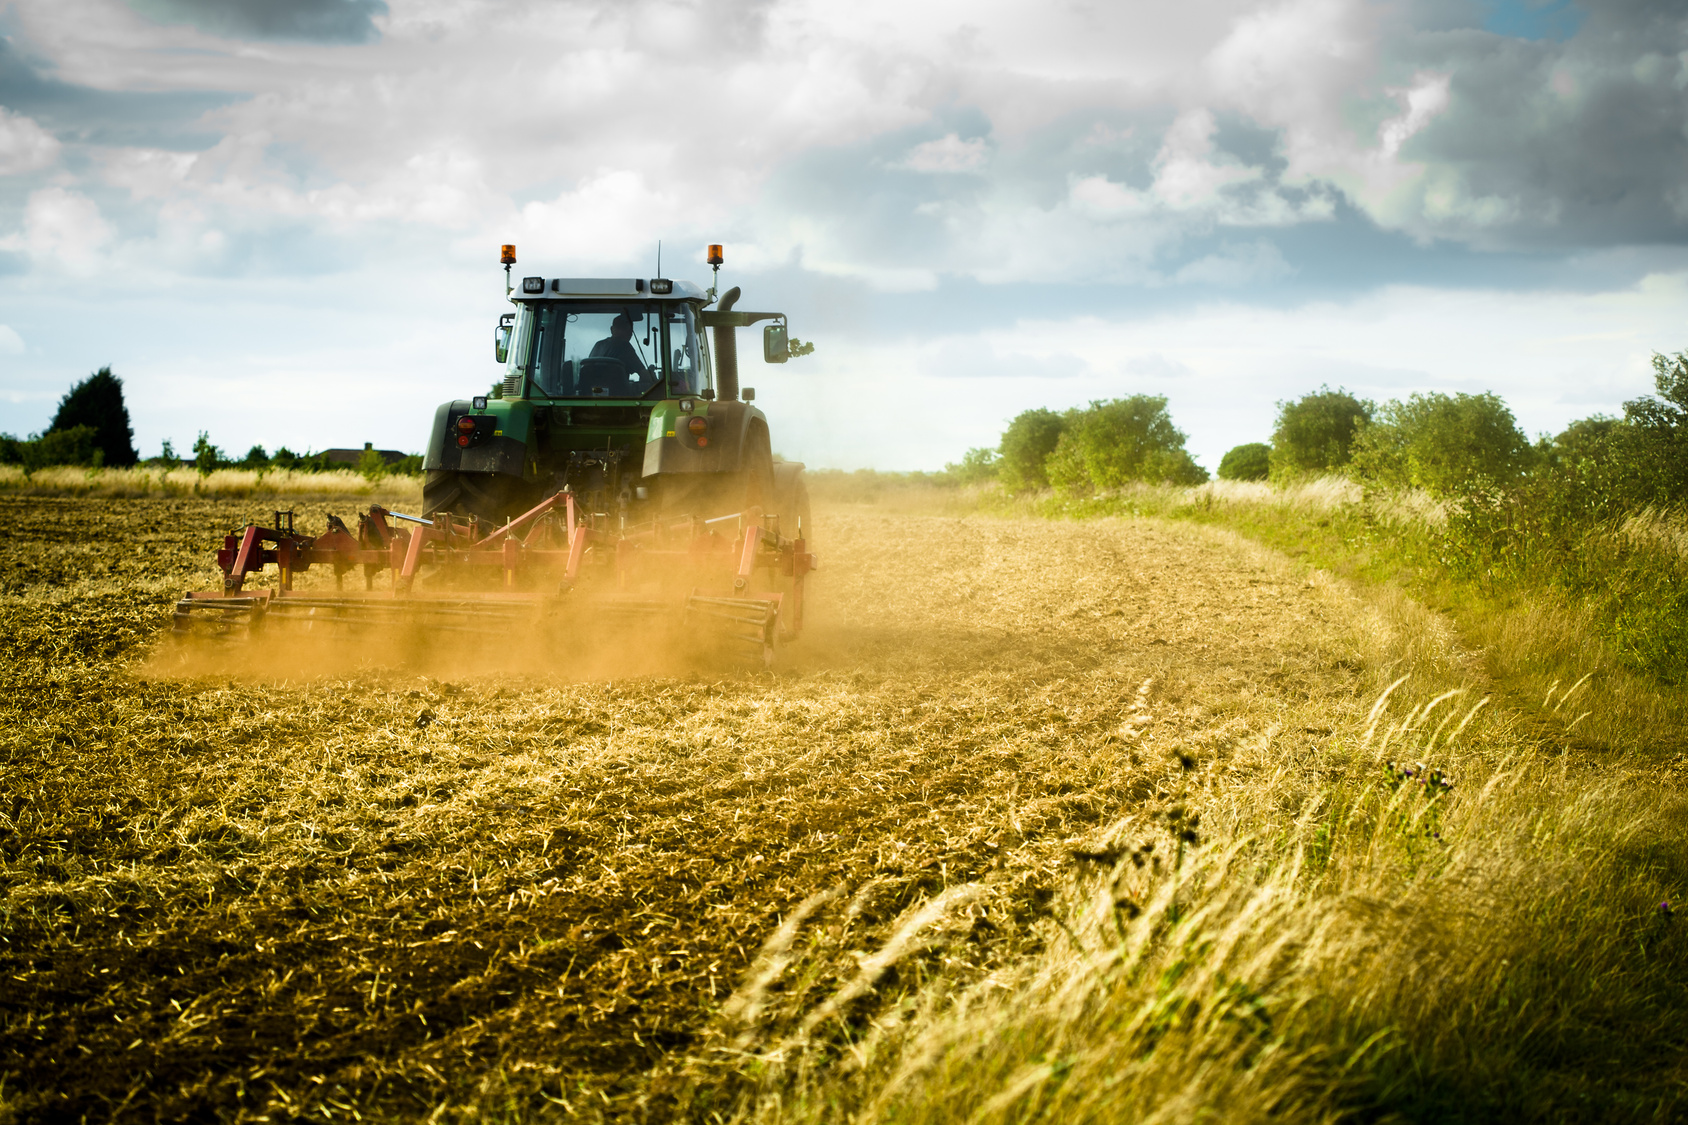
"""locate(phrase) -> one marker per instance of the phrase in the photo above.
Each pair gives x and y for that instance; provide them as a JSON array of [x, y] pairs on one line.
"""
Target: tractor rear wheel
[[489, 497], [791, 500], [708, 495]]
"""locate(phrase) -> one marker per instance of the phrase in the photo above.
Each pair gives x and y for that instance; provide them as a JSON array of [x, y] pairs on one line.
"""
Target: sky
[[278, 221]]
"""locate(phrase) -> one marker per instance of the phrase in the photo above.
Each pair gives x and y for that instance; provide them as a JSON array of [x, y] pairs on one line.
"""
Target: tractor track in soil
[[382, 889]]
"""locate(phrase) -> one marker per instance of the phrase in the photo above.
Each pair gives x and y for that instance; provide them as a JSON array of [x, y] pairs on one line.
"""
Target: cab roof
[[603, 288]]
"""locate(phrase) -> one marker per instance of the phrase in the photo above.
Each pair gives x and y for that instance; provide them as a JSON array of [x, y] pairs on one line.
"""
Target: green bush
[[1315, 433], [1024, 452], [1446, 445], [1247, 462], [1117, 441], [74, 446]]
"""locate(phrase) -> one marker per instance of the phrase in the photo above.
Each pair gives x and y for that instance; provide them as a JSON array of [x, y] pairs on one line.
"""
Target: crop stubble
[[389, 890]]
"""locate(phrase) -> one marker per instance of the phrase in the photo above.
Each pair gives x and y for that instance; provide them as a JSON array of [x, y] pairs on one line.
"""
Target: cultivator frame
[[556, 562]]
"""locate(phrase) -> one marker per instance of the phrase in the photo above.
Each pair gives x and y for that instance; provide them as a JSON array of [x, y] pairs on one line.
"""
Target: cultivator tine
[[467, 616], [219, 618], [749, 626]]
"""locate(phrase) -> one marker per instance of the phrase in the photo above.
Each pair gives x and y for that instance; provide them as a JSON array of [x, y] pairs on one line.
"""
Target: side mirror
[[775, 347], [501, 337]]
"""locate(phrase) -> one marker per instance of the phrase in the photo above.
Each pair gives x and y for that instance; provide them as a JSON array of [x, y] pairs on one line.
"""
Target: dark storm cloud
[[1576, 143], [148, 119], [314, 21]]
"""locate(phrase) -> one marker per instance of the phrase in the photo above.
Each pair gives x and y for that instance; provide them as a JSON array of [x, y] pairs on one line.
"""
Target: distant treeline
[[1449, 445], [1599, 511], [91, 427]]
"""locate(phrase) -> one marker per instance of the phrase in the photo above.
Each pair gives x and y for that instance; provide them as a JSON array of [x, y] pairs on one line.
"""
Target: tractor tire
[[791, 500], [804, 527], [709, 495], [489, 497], [754, 481]]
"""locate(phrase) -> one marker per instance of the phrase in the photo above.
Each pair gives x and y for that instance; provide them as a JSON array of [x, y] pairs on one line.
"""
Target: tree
[[167, 454], [255, 458], [1026, 445], [1247, 462], [1655, 447], [1443, 444], [1117, 441], [1315, 433], [371, 465], [976, 466], [97, 402], [1585, 440], [206, 456]]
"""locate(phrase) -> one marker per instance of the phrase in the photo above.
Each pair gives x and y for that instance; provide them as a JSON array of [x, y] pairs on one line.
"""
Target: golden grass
[[896, 880], [1663, 531], [1338, 938], [146, 481]]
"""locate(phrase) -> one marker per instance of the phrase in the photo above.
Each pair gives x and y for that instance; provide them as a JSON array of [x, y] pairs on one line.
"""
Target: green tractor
[[614, 393], [616, 471]]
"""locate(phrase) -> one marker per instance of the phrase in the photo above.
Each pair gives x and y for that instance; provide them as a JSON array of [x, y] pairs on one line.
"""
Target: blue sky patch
[[1556, 20]]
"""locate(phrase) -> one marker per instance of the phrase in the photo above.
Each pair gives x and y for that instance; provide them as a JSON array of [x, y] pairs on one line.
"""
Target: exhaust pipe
[[726, 351]]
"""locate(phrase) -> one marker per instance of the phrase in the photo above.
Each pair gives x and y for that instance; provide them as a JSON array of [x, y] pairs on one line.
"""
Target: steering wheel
[[603, 368]]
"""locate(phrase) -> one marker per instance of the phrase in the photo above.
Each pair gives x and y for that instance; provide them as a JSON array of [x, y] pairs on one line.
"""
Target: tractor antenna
[[659, 257]]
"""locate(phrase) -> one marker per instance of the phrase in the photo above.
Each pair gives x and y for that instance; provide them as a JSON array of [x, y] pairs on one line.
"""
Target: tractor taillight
[[463, 441], [697, 425], [465, 425]]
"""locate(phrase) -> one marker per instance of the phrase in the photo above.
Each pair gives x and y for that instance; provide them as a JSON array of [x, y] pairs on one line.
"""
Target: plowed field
[[404, 887]]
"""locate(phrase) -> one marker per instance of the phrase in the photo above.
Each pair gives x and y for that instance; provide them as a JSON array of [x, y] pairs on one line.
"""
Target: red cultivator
[[742, 582]]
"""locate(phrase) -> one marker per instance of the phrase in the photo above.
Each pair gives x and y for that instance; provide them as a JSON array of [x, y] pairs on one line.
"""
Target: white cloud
[[24, 145], [947, 154], [1186, 174], [1236, 267], [1423, 100], [63, 231], [10, 342]]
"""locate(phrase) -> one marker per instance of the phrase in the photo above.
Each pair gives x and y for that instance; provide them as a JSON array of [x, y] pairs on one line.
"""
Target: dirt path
[[388, 891]]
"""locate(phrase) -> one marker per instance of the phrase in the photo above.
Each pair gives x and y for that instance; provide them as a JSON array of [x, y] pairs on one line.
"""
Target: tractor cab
[[596, 339]]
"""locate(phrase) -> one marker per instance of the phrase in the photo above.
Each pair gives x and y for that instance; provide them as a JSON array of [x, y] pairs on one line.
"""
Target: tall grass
[[148, 481], [1417, 915]]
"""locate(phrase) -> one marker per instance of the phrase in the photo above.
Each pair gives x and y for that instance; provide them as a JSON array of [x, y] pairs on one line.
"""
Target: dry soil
[[400, 884]]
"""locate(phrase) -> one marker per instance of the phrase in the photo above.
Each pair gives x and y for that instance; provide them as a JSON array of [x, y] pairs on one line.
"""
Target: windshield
[[605, 349]]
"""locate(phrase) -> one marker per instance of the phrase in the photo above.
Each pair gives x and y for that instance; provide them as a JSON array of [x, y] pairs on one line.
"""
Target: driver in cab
[[618, 345]]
